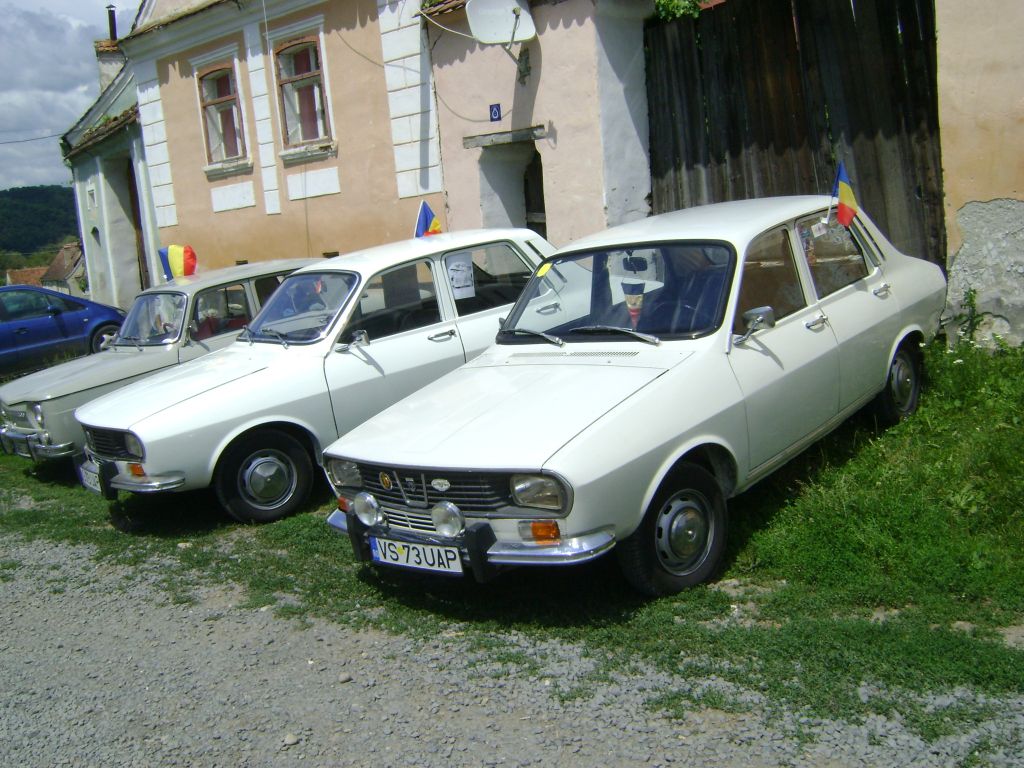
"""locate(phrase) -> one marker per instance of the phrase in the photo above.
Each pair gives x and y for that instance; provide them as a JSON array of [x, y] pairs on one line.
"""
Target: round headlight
[[367, 509], [343, 474], [37, 411], [133, 445], [538, 491], [448, 519]]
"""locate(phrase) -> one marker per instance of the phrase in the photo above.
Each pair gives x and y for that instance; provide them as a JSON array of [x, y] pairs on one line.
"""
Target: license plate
[[90, 478], [425, 557]]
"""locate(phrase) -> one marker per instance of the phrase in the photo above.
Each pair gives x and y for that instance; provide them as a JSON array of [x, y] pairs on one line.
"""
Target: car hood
[[130, 405], [498, 413], [89, 372]]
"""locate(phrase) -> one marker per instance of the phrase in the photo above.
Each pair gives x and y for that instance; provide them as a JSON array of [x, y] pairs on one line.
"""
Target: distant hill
[[32, 218]]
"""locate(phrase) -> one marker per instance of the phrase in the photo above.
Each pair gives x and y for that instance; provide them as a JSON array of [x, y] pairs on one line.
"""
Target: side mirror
[[193, 330], [359, 339], [755, 319]]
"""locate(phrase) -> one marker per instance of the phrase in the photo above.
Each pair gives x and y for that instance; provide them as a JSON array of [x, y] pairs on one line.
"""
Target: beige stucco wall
[[560, 93], [981, 119], [367, 211]]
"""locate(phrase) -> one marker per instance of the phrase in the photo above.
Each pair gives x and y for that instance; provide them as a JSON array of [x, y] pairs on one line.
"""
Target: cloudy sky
[[48, 78]]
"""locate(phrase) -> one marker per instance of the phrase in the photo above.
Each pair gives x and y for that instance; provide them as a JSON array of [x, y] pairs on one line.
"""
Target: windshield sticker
[[543, 269], [460, 273]]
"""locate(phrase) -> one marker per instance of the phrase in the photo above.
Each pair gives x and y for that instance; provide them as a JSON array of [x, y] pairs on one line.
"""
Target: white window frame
[[223, 58]]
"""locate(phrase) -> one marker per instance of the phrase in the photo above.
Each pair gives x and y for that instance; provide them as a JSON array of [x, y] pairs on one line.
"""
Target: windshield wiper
[[646, 337], [539, 334], [276, 334], [133, 339]]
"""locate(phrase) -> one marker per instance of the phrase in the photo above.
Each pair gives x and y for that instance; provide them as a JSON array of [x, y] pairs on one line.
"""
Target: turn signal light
[[343, 504], [541, 531], [137, 470]]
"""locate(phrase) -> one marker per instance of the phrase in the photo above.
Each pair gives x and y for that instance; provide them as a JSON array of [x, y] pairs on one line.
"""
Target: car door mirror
[[756, 319], [193, 330], [359, 339]]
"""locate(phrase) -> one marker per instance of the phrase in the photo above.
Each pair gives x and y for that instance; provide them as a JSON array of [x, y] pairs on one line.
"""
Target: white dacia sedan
[[645, 375], [339, 341]]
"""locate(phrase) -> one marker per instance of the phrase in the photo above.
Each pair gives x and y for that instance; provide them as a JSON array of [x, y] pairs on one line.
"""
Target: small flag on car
[[843, 191], [426, 222], [178, 261]]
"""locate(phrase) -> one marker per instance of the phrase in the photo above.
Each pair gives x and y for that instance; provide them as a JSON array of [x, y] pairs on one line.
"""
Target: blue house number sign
[[495, 113]]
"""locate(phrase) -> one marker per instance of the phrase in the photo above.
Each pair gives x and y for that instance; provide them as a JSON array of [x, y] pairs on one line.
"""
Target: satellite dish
[[500, 22]]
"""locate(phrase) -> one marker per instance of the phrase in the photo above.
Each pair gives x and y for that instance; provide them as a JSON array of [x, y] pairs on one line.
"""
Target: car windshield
[[303, 308], [645, 292], [155, 318]]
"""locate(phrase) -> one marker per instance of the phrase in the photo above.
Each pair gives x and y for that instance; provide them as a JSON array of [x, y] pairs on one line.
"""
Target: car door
[[43, 328], [409, 343], [848, 280], [789, 374], [482, 283]]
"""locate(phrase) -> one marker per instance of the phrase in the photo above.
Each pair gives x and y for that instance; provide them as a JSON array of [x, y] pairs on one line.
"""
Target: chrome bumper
[[33, 445], [108, 480], [569, 551]]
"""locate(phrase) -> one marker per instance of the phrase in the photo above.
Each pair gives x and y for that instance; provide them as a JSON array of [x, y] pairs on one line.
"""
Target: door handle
[[882, 290], [816, 323], [443, 335]]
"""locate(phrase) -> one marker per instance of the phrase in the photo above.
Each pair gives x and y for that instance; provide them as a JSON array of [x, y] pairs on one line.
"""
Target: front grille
[[413, 492], [107, 443]]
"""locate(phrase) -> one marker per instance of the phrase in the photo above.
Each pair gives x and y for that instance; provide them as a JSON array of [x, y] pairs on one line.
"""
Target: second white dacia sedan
[[339, 341], [646, 375]]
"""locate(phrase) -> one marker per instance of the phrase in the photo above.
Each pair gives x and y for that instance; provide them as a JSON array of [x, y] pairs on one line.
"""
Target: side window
[[265, 287], [833, 256], [301, 84], [769, 278], [220, 310], [21, 305], [222, 120], [486, 277], [398, 300]]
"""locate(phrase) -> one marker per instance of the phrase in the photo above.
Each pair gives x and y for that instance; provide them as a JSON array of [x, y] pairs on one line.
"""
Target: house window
[[221, 117], [300, 79]]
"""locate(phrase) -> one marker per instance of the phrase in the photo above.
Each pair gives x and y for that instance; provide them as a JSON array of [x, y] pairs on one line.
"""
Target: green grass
[[875, 568]]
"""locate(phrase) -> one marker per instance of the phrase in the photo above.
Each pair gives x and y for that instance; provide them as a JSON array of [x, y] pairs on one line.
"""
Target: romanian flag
[[844, 193], [426, 222], [178, 261]]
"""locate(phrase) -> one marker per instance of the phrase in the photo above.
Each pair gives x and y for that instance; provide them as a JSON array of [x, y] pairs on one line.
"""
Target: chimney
[[108, 54]]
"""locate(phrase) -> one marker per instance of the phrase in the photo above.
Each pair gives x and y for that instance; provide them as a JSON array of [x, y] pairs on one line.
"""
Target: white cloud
[[50, 79]]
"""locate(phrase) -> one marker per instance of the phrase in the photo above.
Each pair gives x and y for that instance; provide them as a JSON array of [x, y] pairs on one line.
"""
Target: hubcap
[[683, 532], [267, 479], [901, 382]]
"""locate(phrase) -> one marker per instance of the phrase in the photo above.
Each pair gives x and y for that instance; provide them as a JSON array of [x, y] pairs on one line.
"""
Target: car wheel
[[263, 476], [96, 342], [899, 398], [681, 539]]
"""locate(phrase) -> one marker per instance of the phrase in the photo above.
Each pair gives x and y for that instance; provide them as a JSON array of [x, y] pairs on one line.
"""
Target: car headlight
[[538, 491], [133, 446], [343, 474], [37, 412], [367, 509]]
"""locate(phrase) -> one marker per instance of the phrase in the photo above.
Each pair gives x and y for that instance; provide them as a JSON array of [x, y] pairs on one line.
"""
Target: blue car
[[39, 327]]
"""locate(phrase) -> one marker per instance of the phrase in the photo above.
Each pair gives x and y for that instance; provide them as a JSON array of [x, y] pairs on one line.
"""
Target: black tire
[[263, 476], [690, 505], [97, 338], [898, 400]]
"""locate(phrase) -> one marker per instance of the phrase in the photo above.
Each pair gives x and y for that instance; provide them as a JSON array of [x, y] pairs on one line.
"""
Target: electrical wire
[[37, 138]]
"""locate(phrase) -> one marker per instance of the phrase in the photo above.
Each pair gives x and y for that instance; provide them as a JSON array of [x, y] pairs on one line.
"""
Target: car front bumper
[[479, 547], [33, 445], [105, 478]]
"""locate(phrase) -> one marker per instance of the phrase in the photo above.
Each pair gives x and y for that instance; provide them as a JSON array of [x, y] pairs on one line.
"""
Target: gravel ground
[[97, 668]]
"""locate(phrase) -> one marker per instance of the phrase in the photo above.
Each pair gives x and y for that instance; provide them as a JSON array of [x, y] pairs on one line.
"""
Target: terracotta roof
[[100, 132], [105, 46], [64, 263], [26, 276]]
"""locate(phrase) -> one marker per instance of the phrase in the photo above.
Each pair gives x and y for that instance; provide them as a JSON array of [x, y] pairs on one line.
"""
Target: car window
[[834, 258], [22, 305], [397, 300], [265, 286], [220, 310], [769, 278], [154, 318], [303, 308], [486, 277]]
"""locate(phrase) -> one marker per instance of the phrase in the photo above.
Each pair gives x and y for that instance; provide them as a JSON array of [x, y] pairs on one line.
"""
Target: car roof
[[737, 222], [370, 260], [191, 284]]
